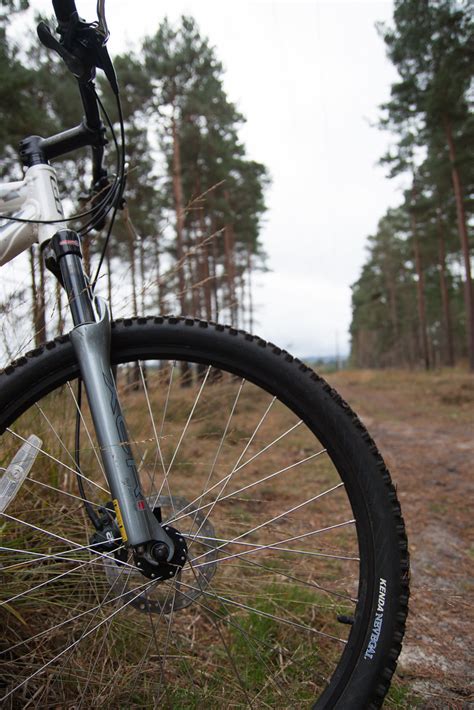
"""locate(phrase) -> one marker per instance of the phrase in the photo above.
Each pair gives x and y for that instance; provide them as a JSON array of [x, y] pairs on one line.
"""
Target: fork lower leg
[[91, 341]]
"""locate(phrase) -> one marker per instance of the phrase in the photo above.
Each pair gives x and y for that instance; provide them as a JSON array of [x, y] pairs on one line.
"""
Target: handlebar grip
[[63, 9]]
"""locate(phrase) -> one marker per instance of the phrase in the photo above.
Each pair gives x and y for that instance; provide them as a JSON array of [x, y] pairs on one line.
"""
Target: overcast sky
[[309, 77]]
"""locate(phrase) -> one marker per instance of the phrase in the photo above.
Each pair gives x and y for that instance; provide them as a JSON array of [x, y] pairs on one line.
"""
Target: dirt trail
[[424, 426]]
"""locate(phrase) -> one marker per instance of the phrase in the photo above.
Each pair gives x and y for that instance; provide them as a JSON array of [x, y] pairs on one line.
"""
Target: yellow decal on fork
[[120, 520]]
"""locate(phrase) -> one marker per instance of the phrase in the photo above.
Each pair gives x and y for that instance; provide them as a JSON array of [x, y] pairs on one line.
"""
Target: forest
[[186, 240], [413, 305]]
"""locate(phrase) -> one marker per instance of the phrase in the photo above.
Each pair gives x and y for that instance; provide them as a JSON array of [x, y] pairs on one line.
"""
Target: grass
[[401, 696], [443, 393]]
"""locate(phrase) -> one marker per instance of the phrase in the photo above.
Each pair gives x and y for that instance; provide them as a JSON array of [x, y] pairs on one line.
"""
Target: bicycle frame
[[37, 198], [34, 198]]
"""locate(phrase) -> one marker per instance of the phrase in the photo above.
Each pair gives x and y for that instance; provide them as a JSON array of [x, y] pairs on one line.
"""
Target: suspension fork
[[90, 339]]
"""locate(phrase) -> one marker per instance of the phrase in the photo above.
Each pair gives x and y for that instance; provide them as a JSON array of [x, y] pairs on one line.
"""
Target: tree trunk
[[242, 286], [159, 289], [86, 255], [134, 378], [463, 236], [250, 295], [131, 254], [109, 279], [179, 210], [420, 295], [229, 251], [59, 306], [141, 252], [230, 275], [34, 292], [193, 269], [39, 298], [206, 287], [215, 282], [207, 282], [392, 300], [186, 376], [448, 354]]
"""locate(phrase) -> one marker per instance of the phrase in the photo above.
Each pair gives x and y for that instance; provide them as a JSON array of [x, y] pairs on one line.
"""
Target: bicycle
[[232, 537]]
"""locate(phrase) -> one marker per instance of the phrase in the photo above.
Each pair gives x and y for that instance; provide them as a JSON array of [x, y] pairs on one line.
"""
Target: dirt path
[[424, 426]]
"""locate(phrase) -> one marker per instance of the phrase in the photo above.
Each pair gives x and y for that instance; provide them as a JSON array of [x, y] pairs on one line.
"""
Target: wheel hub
[[153, 563]]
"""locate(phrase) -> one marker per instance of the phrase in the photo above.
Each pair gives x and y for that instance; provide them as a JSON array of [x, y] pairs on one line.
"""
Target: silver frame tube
[[34, 198]]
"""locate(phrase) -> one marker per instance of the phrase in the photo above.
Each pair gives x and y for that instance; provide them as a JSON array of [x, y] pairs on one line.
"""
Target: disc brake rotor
[[189, 583]]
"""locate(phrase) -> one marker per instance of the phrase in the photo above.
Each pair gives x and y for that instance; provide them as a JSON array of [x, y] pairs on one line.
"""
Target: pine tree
[[431, 47]]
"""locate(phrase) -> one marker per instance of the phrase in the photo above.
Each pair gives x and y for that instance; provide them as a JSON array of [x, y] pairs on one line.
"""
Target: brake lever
[[48, 40], [91, 53]]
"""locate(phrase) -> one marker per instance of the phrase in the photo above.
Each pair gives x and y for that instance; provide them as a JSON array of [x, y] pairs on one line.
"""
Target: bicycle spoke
[[121, 580], [154, 639], [104, 639], [168, 393], [168, 634], [282, 573], [40, 557], [245, 634]]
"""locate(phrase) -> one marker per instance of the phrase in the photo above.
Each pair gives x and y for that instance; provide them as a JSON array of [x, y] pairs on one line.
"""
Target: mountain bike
[[211, 526]]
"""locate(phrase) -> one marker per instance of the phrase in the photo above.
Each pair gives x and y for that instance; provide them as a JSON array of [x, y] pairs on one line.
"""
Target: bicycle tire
[[360, 678]]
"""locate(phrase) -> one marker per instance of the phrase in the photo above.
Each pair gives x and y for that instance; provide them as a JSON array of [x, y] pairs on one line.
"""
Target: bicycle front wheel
[[294, 591]]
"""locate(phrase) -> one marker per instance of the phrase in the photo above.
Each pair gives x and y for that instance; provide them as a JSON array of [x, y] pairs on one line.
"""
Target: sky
[[309, 77]]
